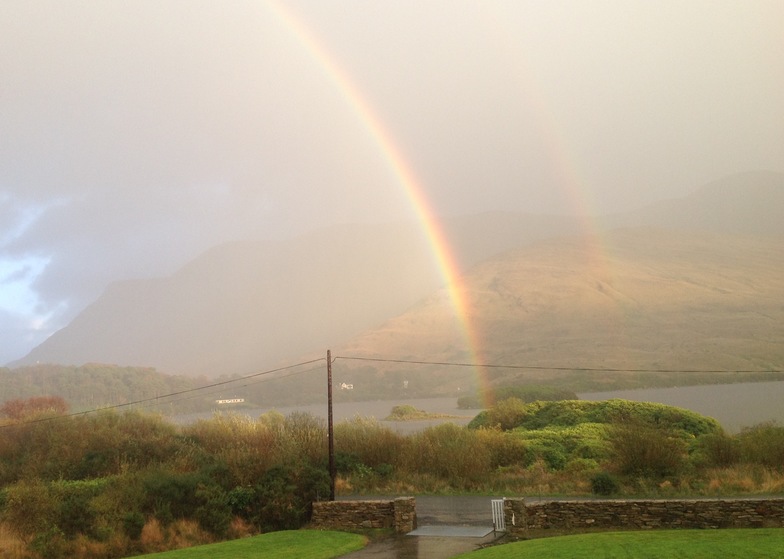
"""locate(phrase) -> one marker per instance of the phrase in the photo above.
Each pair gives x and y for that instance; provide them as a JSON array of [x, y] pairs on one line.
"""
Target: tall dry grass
[[11, 545]]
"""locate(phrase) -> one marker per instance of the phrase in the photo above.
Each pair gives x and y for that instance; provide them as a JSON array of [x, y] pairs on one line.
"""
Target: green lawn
[[291, 544], [672, 544]]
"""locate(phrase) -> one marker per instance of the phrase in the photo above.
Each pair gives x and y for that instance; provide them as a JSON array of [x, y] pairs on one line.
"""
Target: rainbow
[[404, 173]]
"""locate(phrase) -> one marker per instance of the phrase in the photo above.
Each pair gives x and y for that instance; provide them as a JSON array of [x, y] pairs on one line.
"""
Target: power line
[[545, 368], [288, 375], [171, 394], [155, 401]]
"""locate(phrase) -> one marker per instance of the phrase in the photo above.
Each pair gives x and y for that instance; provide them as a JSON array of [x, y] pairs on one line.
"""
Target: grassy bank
[[680, 544], [299, 544]]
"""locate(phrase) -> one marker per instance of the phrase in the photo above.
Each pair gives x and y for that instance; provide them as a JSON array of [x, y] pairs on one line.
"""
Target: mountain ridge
[[247, 305]]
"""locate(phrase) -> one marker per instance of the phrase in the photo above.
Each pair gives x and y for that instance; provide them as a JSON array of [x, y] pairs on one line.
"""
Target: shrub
[[507, 414], [449, 452], [505, 449], [526, 393], [717, 450], [384, 470], [244, 447], [640, 450], [479, 421], [604, 484], [242, 501], [50, 543], [75, 513], [306, 437], [133, 523], [214, 512], [286, 494], [763, 444], [30, 509], [368, 441], [171, 495]]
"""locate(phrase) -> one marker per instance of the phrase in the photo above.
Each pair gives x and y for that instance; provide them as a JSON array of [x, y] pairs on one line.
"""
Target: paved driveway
[[462, 515]]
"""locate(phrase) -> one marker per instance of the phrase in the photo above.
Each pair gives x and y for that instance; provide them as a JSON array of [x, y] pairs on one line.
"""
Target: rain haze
[[136, 135]]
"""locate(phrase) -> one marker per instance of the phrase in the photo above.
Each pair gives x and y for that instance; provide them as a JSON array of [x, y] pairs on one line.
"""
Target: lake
[[733, 405], [377, 408]]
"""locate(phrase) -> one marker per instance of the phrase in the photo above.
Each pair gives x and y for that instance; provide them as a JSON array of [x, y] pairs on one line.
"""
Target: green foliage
[[36, 406], [449, 452], [507, 414], [347, 462], [558, 445], [214, 511], [286, 495], [406, 413], [306, 436], [76, 513], [50, 543], [603, 483], [503, 449], [171, 495], [641, 450], [94, 385], [564, 413], [659, 416], [103, 476], [763, 444], [370, 442], [241, 501], [133, 524], [480, 421], [526, 393], [716, 450], [30, 508]]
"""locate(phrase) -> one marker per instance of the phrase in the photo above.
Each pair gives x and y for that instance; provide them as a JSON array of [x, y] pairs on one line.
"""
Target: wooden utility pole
[[330, 431]]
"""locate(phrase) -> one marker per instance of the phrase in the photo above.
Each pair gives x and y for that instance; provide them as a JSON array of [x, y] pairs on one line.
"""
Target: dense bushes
[[116, 484], [525, 393], [538, 415], [115, 481]]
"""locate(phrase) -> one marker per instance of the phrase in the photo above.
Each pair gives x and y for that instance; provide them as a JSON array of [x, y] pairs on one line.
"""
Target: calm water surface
[[733, 405]]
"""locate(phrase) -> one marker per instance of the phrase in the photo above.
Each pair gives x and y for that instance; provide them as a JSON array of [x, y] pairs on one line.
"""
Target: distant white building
[[344, 386]]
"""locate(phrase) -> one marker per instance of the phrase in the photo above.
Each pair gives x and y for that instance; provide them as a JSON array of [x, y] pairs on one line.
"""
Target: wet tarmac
[[420, 547], [446, 527]]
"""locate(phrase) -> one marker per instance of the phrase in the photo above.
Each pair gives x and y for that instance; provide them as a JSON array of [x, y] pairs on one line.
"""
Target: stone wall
[[399, 514], [643, 514]]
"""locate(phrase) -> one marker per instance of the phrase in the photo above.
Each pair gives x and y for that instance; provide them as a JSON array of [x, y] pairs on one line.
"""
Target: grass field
[[299, 544], [673, 544]]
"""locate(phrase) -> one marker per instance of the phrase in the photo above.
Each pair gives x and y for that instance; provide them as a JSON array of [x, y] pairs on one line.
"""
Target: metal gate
[[498, 515]]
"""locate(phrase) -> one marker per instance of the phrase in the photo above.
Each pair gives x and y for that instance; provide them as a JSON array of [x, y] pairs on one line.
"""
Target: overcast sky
[[136, 134]]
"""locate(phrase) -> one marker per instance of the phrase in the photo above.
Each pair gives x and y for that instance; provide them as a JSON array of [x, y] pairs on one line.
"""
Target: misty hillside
[[746, 203], [249, 305], [641, 299]]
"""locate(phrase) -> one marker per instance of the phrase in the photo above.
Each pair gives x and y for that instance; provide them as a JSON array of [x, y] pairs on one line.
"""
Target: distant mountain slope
[[648, 299], [748, 203], [639, 298], [249, 305]]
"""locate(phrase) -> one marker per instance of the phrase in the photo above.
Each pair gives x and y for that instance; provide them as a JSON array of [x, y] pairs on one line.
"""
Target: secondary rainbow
[[403, 171]]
